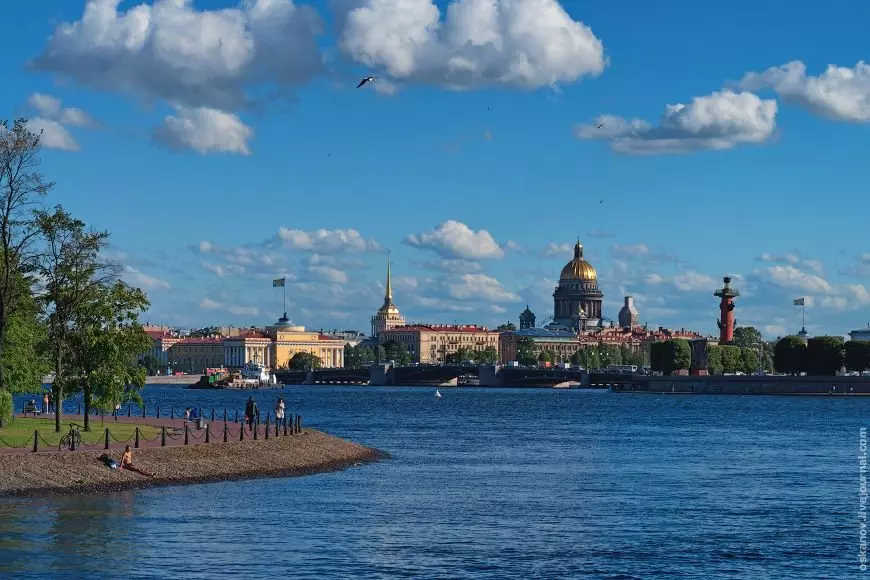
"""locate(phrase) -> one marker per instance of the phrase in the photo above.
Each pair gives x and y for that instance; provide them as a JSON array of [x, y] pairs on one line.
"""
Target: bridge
[[551, 377]]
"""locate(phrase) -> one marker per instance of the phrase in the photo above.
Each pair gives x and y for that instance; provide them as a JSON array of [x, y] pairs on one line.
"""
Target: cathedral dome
[[578, 268]]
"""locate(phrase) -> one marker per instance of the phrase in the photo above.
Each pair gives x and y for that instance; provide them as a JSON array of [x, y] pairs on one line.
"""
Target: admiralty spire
[[388, 315]]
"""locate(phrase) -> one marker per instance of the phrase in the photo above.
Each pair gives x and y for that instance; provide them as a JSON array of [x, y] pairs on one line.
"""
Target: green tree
[[151, 364], [609, 354], [747, 337], [630, 357], [714, 360], [676, 355], [546, 356], [824, 355], [72, 276], [526, 351], [104, 343], [397, 352], [749, 359], [304, 361], [380, 354], [657, 356], [507, 326], [857, 355], [789, 355], [488, 356], [351, 357], [21, 186], [732, 360]]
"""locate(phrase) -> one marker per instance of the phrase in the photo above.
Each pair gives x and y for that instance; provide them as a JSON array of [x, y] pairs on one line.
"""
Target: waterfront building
[[162, 340], [248, 346], [527, 318], [577, 299], [432, 343], [287, 339], [194, 355], [862, 334], [562, 343], [388, 315], [628, 315]]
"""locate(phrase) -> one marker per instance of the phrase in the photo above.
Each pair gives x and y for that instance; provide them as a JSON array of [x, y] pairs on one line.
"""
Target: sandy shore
[[35, 474]]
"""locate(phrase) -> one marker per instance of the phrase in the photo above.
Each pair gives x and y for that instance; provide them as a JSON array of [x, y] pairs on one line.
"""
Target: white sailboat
[[437, 394]]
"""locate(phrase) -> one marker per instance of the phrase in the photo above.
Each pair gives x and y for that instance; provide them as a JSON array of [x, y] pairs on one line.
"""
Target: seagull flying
[[599, 126], [366, 80]]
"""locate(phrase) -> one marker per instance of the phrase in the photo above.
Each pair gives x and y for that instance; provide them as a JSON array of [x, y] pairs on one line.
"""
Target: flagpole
[[284, 286], [803, 313]]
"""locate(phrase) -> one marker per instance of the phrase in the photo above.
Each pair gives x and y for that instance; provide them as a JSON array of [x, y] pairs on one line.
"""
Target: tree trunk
[[2, 349], [86, 402], [57, 389]]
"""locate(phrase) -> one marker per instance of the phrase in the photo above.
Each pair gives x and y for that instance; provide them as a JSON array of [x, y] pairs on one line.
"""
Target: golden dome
[[578, 268]]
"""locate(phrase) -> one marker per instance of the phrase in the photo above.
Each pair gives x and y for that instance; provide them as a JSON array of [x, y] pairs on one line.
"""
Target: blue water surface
[[490, 483]]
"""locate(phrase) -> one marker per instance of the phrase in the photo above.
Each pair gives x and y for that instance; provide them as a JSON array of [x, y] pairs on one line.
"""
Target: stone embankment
[[34, 474]]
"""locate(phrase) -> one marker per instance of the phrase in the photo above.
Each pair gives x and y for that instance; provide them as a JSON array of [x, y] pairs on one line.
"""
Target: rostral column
[[726, 311]]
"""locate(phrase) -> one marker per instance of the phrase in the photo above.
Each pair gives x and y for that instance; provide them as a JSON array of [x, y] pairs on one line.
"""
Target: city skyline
[[256, 167]]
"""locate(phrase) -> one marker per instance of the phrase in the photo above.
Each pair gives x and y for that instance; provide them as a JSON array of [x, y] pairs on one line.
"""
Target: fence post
[[208, 433], [277, 422], [163, 436], [107, 437], [237, 415], [35, 440], [256, 428], [158, 411], [226, 431], [267, 426], [285, 426], [129, 409], [186, 431], [300, 423], [172, 413], [143, 409], [136, 442], [212, 414], [241, 432], [80, 409], [225, 415]]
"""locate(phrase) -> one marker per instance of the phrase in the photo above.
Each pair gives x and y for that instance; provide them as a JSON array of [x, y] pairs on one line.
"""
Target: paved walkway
[[95, 439]]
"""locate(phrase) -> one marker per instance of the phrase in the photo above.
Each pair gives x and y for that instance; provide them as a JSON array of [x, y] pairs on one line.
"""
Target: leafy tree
[[587, 358], [676, 355], [857, 355], [714, 360], [657, 355], [546, 356], [507, 326], [380, 354], [731, 357], [358, 357], [21, 186], [749, 359], [824, 355], [103, 344], [304, 361], [398, 352], [609, 354], [151, 364], [526, 351], [488, 356], [72, 276], [630, 357], [746, 337], [205, 332], [789, 355]]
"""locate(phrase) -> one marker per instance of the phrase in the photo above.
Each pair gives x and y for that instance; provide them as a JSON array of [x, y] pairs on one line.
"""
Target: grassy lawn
[[20, 431]]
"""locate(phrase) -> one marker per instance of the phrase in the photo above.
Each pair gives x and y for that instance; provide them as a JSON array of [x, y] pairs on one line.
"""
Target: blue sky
[[182, 129]]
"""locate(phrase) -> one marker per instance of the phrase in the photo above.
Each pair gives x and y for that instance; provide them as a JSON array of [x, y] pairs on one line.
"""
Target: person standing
[[45, 403], [279, 411], [249, 412]]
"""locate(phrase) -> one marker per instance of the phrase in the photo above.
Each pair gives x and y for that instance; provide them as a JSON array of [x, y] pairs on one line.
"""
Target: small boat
[[437, 394]]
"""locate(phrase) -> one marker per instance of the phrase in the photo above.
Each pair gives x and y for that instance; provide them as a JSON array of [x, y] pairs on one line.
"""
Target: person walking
[[279, 411], [249, 412], [45, 403]]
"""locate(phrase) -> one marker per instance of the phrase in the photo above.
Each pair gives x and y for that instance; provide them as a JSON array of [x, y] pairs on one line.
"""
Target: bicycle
[[72, 439]]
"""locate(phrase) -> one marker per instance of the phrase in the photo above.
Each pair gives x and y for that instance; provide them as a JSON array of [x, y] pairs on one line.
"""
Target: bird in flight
[[366, 80], [600, 126]]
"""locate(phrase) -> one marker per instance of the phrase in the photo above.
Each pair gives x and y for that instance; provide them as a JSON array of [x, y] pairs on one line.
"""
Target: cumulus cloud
[[53, 134], [479, 43], [244, 310], [860, 268], [554, 250], [692, 281], [136, 277], [792, 259], [839, 94], [50, 107], [791, 277], [209, 304], [205, 131], [326, 241], [630, 250], [205, 246], [454, 265], [721, 120], [201, 58], [481, 287], [454, 239], [329, 274]]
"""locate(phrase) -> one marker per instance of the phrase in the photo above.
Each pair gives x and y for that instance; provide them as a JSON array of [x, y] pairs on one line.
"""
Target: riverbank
[[37, 474]]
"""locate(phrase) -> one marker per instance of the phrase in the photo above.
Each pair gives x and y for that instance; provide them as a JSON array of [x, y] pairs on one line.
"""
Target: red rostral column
[[726, 312]]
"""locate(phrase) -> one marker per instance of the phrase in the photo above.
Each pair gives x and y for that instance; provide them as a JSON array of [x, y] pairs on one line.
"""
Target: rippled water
[[491, 483]]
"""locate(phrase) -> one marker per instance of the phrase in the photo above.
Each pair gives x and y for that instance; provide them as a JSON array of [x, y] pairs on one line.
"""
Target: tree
[[789, 355], [586, 358], [746, 337], [676, 355], [103, 345], [546, 356], [657, 356], [824, 355], [526, 351], [304, 361], [731, 357], [630, 357], [714, 360], [358, 357], [72, 275], [749, 360], [151, 364], [488, 356], [21, 185], [609, 354], [397, 352], [507, 326], [857, 355]]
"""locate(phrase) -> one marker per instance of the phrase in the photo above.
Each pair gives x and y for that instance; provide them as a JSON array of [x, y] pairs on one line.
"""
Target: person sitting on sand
[[127, 463]]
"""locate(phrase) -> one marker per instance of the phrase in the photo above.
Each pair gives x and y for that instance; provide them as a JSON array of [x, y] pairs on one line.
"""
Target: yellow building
[[388, 315], [194, 355], [288, 339], [431, 343]]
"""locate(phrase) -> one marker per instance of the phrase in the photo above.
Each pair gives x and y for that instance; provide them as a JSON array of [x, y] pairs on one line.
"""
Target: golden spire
[[388, 295]]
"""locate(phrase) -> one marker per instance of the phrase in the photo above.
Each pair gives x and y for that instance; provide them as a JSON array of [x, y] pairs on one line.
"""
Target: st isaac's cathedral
[[577, 299]]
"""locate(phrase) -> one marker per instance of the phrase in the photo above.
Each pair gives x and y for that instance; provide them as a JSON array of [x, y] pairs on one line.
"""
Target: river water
[[490, 483]]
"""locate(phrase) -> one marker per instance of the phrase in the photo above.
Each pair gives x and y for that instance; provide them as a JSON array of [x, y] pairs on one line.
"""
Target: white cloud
[[721, 120], [244, 310], [791, 277], [209, 304], [514, 247], [630, 251], [326, 241], [773, 330], [453, 265], [50, 107], [860, 269], [480, 287], [506, 43], [691, 281], [653, 279], [205, 131], [54, 135], [840, 93], [454, 239], [200, 58], [142, 280], [205, 247], [223, 270], [329, 274], [554, 250]]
